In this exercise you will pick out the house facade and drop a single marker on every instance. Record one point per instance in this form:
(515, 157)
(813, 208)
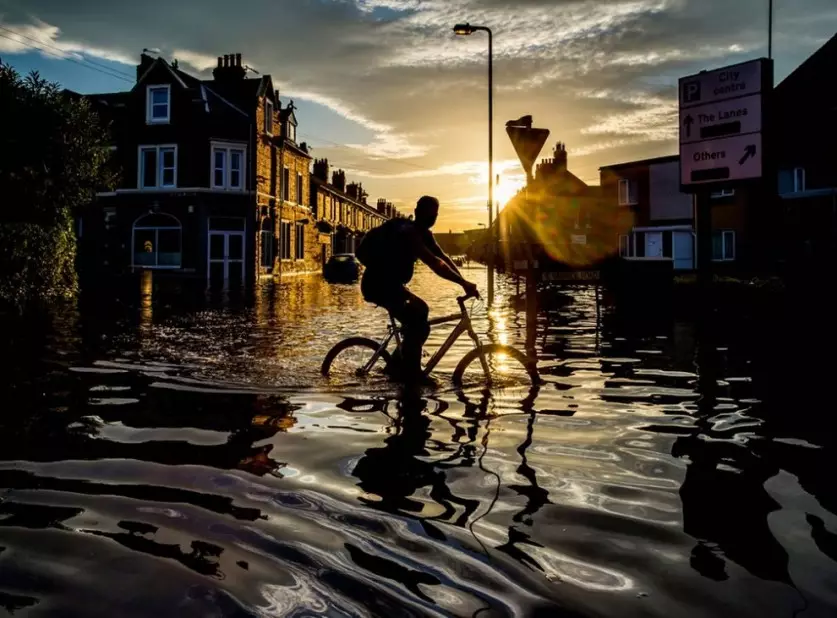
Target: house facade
(214, 184)
(805, 132)
(342, 211)
(557, 220)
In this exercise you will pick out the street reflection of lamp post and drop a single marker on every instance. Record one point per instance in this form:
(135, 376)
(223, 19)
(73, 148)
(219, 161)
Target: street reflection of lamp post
(466, 30)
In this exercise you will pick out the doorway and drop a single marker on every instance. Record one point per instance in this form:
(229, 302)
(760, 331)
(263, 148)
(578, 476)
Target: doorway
(226, 259)
(653, 244)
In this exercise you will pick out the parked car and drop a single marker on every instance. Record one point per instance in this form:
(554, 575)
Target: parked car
(342, 268)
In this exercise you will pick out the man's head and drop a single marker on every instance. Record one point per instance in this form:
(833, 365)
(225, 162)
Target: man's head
(427, 209)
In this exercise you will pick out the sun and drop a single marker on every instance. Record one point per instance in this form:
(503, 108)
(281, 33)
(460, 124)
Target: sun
(508, 188)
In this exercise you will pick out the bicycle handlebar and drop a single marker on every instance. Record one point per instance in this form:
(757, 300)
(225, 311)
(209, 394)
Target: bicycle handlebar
(461, 299)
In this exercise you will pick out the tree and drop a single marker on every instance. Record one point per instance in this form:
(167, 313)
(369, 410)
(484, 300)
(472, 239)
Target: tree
(53, 158)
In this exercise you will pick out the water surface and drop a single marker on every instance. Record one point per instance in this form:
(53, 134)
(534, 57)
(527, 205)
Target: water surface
(167, 453)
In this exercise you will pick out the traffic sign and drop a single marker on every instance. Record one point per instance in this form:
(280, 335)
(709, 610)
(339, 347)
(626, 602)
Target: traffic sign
(721, 121)
(527, 143)
(729, 82)
(721, 160)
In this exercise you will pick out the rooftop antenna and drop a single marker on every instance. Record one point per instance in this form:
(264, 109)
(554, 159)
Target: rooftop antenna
(249, 68)
(153, 50)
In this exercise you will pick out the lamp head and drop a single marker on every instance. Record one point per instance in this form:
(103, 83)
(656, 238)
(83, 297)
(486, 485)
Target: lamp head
(463, 29)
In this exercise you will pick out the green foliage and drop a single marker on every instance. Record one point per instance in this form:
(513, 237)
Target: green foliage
(53, 158)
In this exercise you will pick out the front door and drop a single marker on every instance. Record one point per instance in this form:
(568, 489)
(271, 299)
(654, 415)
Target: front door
(226, 259)
(653, 244)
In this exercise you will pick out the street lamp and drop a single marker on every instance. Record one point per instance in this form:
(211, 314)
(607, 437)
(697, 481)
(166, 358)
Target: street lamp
(466, 30)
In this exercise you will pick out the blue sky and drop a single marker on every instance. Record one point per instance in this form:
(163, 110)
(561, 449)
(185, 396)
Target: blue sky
(387, 92)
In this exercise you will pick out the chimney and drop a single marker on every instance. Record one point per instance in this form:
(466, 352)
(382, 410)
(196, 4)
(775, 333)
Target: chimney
(145, 62)
(361, 194)
(338, 180)
(560, 158)
(229, 68)
(321, 169)
(352, 190)
(381, 206)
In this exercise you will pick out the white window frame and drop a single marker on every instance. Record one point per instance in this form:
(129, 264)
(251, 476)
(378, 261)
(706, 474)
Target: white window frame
(268, 117)
(158, 177)
(299, 248)
(799, 174)
(627, 245)
(227, 148)
(156, 228)
(284, 237)
(149, 104)
(628, 198)
(290, 131)
(716, 195)
(727, 237)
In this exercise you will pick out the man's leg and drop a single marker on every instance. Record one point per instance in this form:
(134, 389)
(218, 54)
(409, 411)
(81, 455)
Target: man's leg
(412, 312)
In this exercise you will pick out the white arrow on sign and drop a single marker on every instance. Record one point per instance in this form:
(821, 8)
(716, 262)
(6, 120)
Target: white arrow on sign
(721, 160)
(722, 119)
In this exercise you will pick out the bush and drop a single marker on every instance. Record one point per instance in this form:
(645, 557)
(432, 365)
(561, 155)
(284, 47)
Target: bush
(53, 158)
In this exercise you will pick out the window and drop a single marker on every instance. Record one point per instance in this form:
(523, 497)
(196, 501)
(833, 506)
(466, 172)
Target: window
(268, 117)
(285, 240)
(228, 167)
(158, 105)
(627, 192)
(625, 245)
(716, 195)
(333, 210)
(286, 184)
(299, 188)
(290, 131)
(266, 238)
(799, 180)
(157, 167)
(723, 246)
(156, 241)
(300, 241)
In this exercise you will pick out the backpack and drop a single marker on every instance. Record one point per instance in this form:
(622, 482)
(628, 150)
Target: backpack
(377, 245)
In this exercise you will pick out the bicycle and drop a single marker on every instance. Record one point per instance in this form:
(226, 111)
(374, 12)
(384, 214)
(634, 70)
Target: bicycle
(360, 356)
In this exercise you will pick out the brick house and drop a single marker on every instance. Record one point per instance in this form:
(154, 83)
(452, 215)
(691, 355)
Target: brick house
(806, 131)
(214, 185)
(553, 221)
(342, 211)
(663, 217)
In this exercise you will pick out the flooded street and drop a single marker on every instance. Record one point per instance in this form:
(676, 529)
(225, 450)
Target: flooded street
(163, 453)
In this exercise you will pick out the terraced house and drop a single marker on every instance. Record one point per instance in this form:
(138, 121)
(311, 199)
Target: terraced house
(342, 211)
(214, 183)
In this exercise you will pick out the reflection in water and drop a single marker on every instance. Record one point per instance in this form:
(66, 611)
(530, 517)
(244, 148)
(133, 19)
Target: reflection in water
(164, 448)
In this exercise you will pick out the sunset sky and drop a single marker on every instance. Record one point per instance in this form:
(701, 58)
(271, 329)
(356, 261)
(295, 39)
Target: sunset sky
(387, 92)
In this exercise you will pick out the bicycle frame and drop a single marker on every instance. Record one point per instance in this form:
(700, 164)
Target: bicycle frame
(463, 326)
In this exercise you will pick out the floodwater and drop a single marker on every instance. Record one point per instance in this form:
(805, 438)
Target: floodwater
(167, 454)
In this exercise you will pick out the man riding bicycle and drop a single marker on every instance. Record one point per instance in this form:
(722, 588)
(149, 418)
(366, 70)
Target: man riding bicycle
(389, 253)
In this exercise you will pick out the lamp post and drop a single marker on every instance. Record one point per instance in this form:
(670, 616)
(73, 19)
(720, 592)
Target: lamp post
(466, 30)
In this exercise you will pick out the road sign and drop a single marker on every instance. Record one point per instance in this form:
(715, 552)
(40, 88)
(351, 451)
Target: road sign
(527, 144)
(733, 81)
(721, 160)
(721, 120)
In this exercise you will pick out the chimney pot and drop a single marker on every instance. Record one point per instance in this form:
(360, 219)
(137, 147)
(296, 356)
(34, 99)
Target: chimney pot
(220, 62)
(238, 60)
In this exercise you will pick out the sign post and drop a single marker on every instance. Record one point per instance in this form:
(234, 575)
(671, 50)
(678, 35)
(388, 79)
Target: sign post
(722, 116)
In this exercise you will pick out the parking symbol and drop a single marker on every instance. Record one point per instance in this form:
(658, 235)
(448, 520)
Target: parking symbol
(691, 91)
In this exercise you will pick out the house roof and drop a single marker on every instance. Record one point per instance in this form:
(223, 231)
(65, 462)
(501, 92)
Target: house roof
(652, 161)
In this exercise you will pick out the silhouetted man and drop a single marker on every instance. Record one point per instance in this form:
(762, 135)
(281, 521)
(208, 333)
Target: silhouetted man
(390, 254)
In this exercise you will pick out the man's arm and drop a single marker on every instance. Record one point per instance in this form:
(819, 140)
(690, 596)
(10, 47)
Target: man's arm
(440, 266)
(438, 252)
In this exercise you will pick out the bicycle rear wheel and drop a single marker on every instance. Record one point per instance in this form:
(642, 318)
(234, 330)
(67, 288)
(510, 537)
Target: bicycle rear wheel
(349, 357)
(507, 367)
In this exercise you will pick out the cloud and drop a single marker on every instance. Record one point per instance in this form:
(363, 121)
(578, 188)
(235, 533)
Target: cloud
(395, 68)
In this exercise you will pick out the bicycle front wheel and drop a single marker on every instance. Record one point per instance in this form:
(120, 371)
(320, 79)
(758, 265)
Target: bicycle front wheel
(351, 357)
(506, 367)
